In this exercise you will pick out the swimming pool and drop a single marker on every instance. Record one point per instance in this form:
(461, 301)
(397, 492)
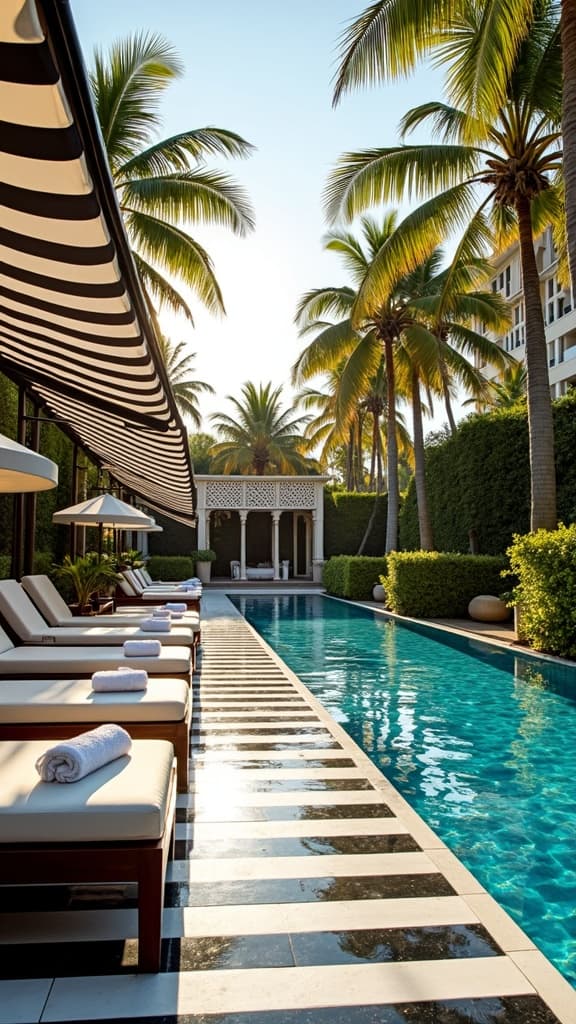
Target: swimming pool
(480, 742)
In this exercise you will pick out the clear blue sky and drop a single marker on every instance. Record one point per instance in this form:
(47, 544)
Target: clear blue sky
(262, 68)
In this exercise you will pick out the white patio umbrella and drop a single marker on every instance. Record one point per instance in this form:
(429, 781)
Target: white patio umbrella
(23, 470)
(105, 510)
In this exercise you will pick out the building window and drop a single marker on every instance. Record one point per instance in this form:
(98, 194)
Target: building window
(494, 285)
(560, 306)
(507, 279)
(551, 288)
(550, 312)
(501, 281)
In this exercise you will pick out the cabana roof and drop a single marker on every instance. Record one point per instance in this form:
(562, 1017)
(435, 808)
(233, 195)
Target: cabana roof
(74, 326)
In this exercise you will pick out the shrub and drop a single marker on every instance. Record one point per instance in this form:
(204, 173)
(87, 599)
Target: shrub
(353, 576)
(203, 555)
(346, 516)
(5, 567)
(428, 584)
(170, 567)
(545, 566)
(43, 563)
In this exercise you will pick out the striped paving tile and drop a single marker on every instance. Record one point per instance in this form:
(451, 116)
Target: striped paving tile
(304, 889)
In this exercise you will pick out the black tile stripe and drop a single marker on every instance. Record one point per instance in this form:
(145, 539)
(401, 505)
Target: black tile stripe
(35, 143)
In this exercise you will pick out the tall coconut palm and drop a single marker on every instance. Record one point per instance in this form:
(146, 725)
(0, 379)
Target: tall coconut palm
(261, 438)
(516, 158)
(180, 369)
(163, 186)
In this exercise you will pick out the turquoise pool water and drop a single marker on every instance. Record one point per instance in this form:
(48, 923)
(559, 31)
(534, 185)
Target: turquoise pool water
(481, 743)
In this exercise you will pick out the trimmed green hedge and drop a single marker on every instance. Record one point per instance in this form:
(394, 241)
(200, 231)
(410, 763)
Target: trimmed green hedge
(545, 566)
(353, 576)
(478, 479)
(428, 584)
(346, 516)
(170, 567)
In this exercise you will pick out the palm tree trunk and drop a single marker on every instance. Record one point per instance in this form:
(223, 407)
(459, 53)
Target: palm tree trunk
(568, 30)
(540, 422)
(425, 527)
(392, 447)
(350, 460)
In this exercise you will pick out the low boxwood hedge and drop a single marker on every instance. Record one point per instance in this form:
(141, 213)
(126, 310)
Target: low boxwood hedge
(170, 567)
(429, 584)
(544, 564)
(353, 576)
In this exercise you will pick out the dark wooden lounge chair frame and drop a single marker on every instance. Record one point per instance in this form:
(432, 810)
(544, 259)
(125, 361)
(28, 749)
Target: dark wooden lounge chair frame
(177, 733)
(144, 600)
(142, 861)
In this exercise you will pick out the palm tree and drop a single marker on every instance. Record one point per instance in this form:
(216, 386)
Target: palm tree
(186, 389)
(163, 185)
(516, 157)
(261, 439)
(507, 392)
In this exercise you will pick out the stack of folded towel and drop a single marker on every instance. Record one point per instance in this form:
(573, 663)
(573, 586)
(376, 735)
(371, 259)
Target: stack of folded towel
(120, 679)
(142, 648)
(161, 612)
(175, 606)
(153, 625)
(74, 758)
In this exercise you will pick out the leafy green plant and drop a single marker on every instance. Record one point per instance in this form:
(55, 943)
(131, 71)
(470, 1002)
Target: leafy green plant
(87, 575)
(353, 576)
(203, 555)
(544, 564)
(5, 567)
(428, 584)
(346, 515)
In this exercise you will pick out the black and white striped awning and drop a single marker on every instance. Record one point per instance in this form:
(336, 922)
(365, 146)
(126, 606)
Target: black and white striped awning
(74, 327)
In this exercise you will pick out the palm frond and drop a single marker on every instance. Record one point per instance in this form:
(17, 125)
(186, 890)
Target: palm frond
(320, 302)
(160, 289)
(206, 197)
(174, 153)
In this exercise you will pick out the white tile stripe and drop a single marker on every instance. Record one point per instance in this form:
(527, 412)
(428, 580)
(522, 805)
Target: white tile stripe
(329, 865)
(322, 827)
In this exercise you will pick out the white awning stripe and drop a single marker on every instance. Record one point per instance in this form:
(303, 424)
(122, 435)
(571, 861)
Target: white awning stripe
(74, 327)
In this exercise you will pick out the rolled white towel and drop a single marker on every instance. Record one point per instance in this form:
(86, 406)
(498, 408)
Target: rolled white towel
(142, 648)
(161, 613)
(155, 625)
(74, 758)
(176, 615)
(120, 679)
(193, 581)
(176, 606)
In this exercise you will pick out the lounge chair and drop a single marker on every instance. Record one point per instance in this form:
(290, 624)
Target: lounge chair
(131, 594)
(155, 588)
(54, 609)
(47, 661)
(114, 825)
(24, 619)
(59, 708)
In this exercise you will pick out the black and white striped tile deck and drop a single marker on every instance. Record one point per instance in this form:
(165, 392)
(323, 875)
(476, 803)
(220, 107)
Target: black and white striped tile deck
(304, 889)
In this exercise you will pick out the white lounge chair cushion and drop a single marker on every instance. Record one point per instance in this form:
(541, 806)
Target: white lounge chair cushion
(125, 800)
(46, 659)
(54, 609)
(190, 620)
(73, 700)
(78, 636)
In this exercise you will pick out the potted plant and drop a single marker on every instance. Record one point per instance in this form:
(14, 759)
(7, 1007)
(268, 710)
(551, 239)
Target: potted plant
(203, 560)
(87, 575)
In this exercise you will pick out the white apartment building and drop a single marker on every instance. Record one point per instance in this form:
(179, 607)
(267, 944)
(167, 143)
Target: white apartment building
(558, 306)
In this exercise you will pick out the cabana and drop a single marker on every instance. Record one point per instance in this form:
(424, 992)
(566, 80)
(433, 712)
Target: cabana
(299, 499)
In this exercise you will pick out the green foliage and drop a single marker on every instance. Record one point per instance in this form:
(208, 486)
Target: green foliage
(170, 567)
(545, 566)
(200, 445)
(478, 479)
(203, 555)
(346, 516)
(43, 563)
(427, 584)
(88, 574)
(5, 566)
(353, 576)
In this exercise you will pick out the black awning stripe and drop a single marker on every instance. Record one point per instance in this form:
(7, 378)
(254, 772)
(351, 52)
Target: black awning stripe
(28, 340)
(63, 366)
(71, 313)
(83, 289)
(81, 256)
(32, 67)
(34, 143)
(48, 204)
(124, 342)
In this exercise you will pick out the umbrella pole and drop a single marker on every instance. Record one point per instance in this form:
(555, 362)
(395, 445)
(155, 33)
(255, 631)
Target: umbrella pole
(100, 538)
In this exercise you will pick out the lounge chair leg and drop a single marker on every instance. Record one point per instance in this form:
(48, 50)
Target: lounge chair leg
(150, 907)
